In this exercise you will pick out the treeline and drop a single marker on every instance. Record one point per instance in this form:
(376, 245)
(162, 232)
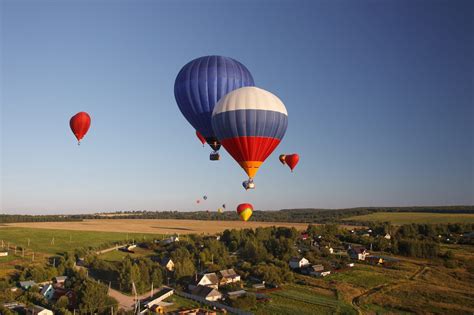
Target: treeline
(284, 215)
(13, 218)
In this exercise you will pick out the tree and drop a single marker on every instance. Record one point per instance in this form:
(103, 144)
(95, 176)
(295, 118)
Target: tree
(93, 298)
(62, 302)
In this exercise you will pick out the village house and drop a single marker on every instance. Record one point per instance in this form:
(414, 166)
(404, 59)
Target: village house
(167, 263)
(156, 300)
(208, 293)
(170, 240)
(235, 294)
(25, 285)
(47, 291)
(60, 279)
(259, 286)
(357, 252)
(298, 262)
(228, 276)
(3, 254)
(38, 310)
(375, 260)
(128, 248)
(70, 294)
(387, 236)
(208, 280)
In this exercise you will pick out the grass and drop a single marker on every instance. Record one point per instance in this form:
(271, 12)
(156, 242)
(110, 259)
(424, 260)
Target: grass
(118, 255)
(297, 299)
(399, 218)
(180, 302)
(362, 276)
(41, 240)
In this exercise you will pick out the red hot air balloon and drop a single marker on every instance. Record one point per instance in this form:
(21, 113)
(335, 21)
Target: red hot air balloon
(245, 210)
(80, 124)
(292, 160)
(201, 138)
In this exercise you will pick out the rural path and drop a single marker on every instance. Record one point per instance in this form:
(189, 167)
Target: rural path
(127, 302)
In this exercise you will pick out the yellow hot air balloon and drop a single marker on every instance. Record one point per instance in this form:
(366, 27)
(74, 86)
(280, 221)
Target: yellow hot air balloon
(245, 211)
(220, 210)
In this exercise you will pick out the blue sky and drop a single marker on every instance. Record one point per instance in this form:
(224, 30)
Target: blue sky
(379, 96)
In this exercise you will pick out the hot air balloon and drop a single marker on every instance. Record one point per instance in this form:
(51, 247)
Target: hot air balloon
(245, 211)
(292, 160)
(204, 197)
(282, 159)
(223, 205)
(220, 210)
(199, 86)
(200, 137)
(250, 123)
(198, 201)
(80, 124)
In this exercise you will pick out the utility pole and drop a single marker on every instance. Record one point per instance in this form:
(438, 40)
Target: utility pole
(33, 259)
(28, 242)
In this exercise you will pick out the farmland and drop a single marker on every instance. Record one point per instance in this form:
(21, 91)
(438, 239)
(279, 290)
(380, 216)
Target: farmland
(152, 226)
(399, 218)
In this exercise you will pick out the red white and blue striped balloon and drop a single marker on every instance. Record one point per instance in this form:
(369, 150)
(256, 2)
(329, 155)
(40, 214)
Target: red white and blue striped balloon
(250, 123)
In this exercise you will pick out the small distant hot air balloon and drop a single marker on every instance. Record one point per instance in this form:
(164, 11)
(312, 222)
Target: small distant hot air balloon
(198, 201)
(292, 160)
(204, 197)
(250, 123)
(200, 137)
(220, 210)
(282, 159)
(223, 205)
(245, 211)
(80, 124)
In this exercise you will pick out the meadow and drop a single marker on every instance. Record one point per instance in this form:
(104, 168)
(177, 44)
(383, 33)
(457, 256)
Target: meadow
(298, 299)
(52, 241)
(154, 226)
(400, 218)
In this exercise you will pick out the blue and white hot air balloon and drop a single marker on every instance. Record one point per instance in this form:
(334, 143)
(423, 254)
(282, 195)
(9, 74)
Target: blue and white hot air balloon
(250, 123)
(200, 85)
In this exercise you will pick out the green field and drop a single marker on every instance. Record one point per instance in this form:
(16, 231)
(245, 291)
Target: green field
(399, 218)
(117, 255)
(297, 299)
(363, 276)
(52, 242)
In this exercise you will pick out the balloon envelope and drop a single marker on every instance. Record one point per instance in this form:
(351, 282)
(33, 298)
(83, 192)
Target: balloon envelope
(200, 137)
(199, 86)
(250, 123)
(80, 124)
(292, 160)
(245, 211)
(282, 159)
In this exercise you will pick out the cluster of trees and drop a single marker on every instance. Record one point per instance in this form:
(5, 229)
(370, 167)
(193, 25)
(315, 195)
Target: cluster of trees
(91, 296)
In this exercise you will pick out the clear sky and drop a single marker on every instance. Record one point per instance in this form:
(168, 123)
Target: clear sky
(379, 96)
